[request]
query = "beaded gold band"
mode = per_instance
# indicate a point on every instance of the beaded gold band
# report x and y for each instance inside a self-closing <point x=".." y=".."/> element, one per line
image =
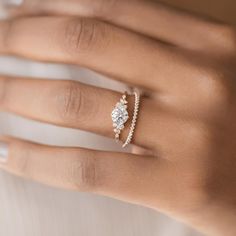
<point x="120" y="116"/>
<point x="134" y="119"/>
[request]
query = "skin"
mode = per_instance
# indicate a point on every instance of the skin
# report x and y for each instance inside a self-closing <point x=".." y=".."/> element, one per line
<point x="186" y="66"/>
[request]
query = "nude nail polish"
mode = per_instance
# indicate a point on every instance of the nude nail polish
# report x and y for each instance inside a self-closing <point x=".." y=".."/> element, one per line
<point x="3" y="152"/>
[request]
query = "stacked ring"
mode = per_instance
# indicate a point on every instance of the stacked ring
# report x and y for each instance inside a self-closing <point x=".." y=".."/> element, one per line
<point x="120" y="116"/>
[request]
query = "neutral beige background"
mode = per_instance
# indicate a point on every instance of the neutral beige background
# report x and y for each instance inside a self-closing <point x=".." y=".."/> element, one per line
<point x="30" y="209"/>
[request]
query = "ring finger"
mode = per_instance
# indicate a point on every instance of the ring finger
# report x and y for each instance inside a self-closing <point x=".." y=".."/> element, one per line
<point x="72" y="104"/>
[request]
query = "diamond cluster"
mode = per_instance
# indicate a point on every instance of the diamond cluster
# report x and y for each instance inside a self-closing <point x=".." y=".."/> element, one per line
<point x="120" y="116"/>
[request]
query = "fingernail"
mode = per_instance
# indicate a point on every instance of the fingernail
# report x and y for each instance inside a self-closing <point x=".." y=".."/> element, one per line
<point x="12" y="3"/>
<point x="3" y="152"/>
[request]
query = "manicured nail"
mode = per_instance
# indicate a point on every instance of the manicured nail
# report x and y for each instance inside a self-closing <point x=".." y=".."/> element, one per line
<point x="12" y="3"/>
<point x="3" y="152"/>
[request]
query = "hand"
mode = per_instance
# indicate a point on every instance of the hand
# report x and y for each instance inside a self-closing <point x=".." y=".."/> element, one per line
<point x="185" y="65"/>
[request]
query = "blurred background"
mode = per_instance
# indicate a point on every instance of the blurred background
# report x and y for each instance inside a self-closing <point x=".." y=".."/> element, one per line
<point x="30" y="209"/>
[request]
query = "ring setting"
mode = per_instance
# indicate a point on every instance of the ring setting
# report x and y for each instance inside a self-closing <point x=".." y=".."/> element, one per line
<point x="120" y="116"/>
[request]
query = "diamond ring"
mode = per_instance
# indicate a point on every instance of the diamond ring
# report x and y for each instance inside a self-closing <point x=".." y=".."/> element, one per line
<point x="120" y="116"/>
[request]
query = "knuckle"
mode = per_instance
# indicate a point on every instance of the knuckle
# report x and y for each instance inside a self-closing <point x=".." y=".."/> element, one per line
<point x="202" y="187"/>
<point x="194" y="190"/>
<point x="88" y="173"/>
<point x="8" y="27"/>
<point x="85" y="173"/>
<point x="198" y="176"/>
<point x="9" y="33"/>
<point x="196" y="132"/>
<point x="197" y="195"/>
<point x="226" y="36"/>
<point x="84" y="36"/>
<point x="215" y="88"/>
<point x="70" y="101"/>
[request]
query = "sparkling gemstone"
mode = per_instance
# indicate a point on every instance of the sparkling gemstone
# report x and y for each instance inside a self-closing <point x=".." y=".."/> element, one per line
<point x="119" y="116"/>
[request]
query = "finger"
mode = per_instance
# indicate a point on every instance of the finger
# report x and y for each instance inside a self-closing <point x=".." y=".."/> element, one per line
<point x="124" y="176"/>
<point x="72" y="104"/>
<point x="148" y="17"/>
<point x="100" y="47"/>
<point x="141" y="151"/>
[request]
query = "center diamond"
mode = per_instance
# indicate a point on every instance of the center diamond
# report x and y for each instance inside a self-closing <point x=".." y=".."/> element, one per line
<point x="119" y="116"/>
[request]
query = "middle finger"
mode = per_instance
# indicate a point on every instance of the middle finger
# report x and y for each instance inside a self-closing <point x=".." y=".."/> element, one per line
<point x="99" y="46"/>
